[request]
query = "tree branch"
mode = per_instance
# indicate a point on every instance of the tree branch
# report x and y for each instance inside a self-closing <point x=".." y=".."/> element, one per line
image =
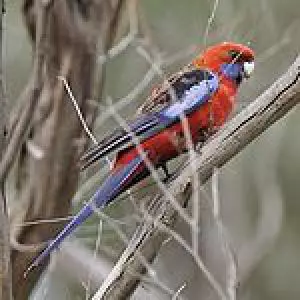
<point x="5" y="266"/>
<point x="22" y="126"/>
<point x="269" y="107"/>
<point x="66" y="37"/>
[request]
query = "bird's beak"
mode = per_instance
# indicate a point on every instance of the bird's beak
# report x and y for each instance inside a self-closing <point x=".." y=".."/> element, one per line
<point x="248" y="68"/>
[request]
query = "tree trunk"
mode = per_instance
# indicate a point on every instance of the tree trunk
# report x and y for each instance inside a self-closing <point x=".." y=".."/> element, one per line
<point x="5" y="268"/>
<point x="46" y="174"/>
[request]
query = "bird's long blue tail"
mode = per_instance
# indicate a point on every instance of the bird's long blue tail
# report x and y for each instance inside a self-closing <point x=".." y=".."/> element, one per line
<point x="111" y="188"/>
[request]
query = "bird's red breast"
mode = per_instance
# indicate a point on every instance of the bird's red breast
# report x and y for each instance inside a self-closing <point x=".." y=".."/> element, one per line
<point x="171" y="142"/>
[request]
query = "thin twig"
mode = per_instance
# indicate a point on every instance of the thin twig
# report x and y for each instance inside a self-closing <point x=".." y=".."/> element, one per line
<point x="198" y="260"/>
<point x="78" y="111"/>
<point x="178" y="292"/>
<point x="96" y="250"/>
<point x="116" y="269"/>
<point x="226" y="245"/>
<point x="36" y="85"/>
<point x="209" y="22"/>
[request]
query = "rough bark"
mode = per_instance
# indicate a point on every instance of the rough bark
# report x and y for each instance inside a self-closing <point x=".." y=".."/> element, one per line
<point x="67" y="37"/>
<point x="273" y="104"/>
<point x="5" y="267"/>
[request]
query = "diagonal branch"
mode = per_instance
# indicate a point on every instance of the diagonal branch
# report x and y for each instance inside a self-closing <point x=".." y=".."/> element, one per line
<point x="269" y="107"/>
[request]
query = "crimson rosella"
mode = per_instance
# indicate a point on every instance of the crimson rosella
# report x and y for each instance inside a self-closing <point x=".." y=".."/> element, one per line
<point x="204" y="92"/>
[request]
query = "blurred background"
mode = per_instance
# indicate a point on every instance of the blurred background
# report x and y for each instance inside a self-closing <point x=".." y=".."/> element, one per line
<point x="259" y="188"/>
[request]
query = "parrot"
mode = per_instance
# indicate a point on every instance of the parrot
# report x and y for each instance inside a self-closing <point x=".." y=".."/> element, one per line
<point x="204" y="92"/>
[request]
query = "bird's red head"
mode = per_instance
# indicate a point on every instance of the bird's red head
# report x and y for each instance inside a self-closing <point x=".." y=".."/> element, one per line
<point x="226" y="53"/>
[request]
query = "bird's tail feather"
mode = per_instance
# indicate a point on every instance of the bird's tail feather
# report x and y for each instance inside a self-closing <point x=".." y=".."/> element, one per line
<point x="115" y="184"/>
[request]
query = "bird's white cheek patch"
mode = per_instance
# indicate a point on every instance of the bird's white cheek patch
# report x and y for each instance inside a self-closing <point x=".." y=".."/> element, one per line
<point x="248" y="68"/>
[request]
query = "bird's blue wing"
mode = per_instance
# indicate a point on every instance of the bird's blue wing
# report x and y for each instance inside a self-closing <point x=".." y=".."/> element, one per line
<point x="192" y="98"/>
<point x="189" y="95"/>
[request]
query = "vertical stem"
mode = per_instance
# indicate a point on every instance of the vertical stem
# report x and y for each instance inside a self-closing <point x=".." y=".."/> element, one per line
<point x="5" y="273"/>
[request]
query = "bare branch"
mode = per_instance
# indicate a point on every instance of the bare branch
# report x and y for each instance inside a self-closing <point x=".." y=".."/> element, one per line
<point x="77" y="108"/>
<point x="274" y="103"/>
<point x="5" y="262"/>
<point x="67" y="36"/>
<point x="15" y="143"/>
<point x="226" y="245"/>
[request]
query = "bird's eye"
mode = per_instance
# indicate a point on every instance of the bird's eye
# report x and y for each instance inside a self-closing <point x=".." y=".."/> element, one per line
<point x="234" y="54"/>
